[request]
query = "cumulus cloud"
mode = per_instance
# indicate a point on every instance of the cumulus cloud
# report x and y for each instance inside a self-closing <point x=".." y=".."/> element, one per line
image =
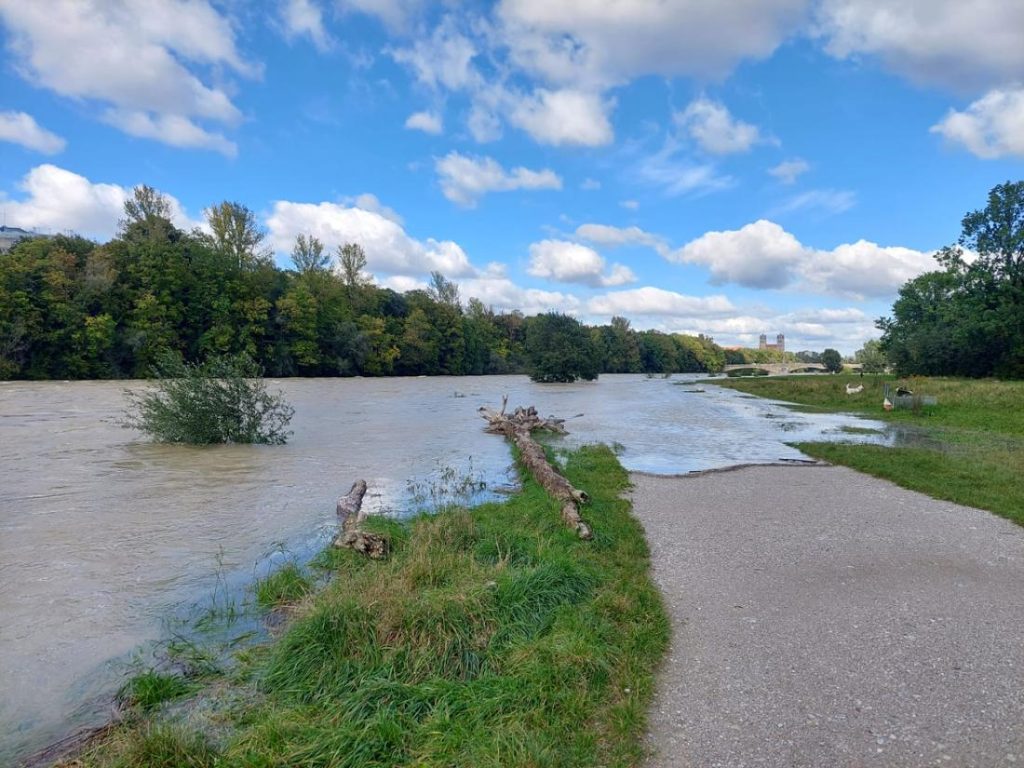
<point x="759" y="255"/>
<point x="714" y="129"/>
<point x="940" y="42"/>
<point x="564" y="117"/>
<point x="21" y="128"/>
<point x="991" y="127"/>
<point x="442" y="60"/>
<point x="602" y="43"/>
<point x="136" y="57"/>
<point x="175" y="130"/>
<point x="497" y="291"/>
<point x="57" y="200"/>
<point x="304" y="18"/>
<point x="764" y="255"/>
<point x="657" y="301"/>
<point x="428" y="122"/>
<point x="389" y="249"/>
<point x="788" y="171"/>
<point x="569" y="262"/>
<point x="613" y="237"/>
<point x="464" y="180"/>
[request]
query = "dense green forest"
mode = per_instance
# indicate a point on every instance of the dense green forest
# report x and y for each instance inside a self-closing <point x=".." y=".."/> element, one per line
<point x="74" y="309"/>
<point x="968" y="318"/>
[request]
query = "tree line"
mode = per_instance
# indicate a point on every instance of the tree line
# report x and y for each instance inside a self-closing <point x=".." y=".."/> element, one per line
<point x="73" y="308"/>
<point x="967" y="319"/>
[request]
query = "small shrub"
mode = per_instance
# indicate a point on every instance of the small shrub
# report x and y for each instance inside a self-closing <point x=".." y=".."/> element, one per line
<point x="223" y="400"/>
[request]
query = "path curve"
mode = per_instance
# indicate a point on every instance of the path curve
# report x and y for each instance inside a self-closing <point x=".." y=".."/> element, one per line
<point x="826" y="618"/>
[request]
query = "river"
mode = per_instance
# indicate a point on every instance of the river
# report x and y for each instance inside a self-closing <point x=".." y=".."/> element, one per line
<point x="103" y="534"/>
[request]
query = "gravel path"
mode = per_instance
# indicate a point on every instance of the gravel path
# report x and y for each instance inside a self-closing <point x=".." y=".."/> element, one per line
<point x="825" y="618"/>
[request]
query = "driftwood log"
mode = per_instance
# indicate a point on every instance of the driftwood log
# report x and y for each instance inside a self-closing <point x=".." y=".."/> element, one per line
<point x="517" y="427"/>
<point x="351" y="517"/>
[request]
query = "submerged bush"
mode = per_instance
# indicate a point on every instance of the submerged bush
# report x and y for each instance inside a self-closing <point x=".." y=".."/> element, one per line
<point x="223" y="400"/>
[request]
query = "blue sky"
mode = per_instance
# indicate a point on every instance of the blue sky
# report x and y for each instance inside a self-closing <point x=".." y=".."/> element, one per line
<point x="729" y="168"/>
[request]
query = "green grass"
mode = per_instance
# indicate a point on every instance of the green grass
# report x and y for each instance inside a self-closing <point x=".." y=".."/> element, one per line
<point x="490" y="637"/>
<point x="285" y="586"/>
<point x="969" y="448"/>
<point x="150" y="689"/>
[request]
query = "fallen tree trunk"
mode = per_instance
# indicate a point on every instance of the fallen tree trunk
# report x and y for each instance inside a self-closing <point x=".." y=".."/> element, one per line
<point x="518" y="427"/>
<point x="351" y="516"/>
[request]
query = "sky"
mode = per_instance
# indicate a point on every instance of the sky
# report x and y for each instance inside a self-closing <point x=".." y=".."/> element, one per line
<point x="726" y="167"/>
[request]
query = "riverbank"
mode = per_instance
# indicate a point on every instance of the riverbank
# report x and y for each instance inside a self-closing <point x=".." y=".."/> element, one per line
<point x="492" y="636"/>
<point x="968" y="448"/>
<point x="822" y="617"/>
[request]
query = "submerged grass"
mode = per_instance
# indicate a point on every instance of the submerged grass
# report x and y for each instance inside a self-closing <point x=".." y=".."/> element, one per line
<point x="969" y="448"/>
<point x="491" y="637"/>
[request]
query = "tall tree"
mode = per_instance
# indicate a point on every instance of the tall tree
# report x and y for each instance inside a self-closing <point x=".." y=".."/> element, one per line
<point x="352" y="260"/>
<point x="559" y="349"/>
<point x="308" y="255"/>
<point x="237" y="234"/>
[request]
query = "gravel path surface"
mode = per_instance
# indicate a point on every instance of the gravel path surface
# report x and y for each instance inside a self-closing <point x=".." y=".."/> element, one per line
<point x="825" y="618"/>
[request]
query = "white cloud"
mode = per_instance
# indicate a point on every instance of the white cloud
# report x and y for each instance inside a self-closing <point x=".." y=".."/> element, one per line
<point x="991" y="127"/>
<point x="370" y="202"/>
<point x="389" y="249"/>
<point x="603" y="43"/>
<point x="564" y="117"/>
<point x="864" y="269"/>
<point x="569" y="262"/>
<point x="714" y="129"/>
<point x="657" y="301"/>
<point x="829" y="201"/>
<point x="428" y="122"/>
<point x="760" y="255"/>
<point x="590" y="185"/>
<point x="942" y="42"/>
<point x="175" y="130"/>
<point x="788" y="171"/>
<point x="304" y="17"/>
<point x="630" y="205"/>
<point x="133" y="56"/>
<point x="396" y="14"/>
<point x="21" y="128"/>
<point x="443" y="60"/>
<point x="57" y="200"/>
<point x="464" y="180"/>
<point x="764" y="255"/>
<point x="613" y="237"/>
<point x="678" y="176"/>
<point x="497" y="291"/>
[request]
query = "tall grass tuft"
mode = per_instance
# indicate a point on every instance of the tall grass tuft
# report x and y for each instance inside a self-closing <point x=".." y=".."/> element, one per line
<point x="223" y="400"/>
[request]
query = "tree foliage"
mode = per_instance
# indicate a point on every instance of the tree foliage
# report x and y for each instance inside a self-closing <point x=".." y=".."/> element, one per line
<point x="832" y="360"/>
<point x="559" y="349"/>
<point x="72" y="308"/>
<point x="223" y="400"/>
<point x="968" y="318"/>
<point x="871" y="357"/>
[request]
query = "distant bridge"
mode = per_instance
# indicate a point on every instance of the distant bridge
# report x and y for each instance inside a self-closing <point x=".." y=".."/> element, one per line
<point x="776" y="369"/>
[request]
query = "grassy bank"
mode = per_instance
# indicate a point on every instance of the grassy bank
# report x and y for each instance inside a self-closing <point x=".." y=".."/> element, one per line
<point x="969" y="448"/>
<point x="490" y="637"/>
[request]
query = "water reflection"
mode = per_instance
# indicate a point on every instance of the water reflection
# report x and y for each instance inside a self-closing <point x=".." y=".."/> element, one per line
<point x="102" y="534"/>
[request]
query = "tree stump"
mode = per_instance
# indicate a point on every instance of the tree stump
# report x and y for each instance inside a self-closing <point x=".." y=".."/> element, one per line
<point x="518" y="427"/>
<point x="351" y="516"/>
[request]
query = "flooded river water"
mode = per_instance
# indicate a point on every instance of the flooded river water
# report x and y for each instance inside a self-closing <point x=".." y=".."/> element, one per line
<point x="103" y="535"/>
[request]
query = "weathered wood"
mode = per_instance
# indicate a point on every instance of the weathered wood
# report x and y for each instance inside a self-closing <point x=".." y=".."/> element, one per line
<point x="518" y="427"/>
<point x="351" y="517"/>
<point x="350" y="506"/>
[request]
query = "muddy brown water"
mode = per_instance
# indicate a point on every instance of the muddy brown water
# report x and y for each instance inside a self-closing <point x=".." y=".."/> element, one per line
<point x="103" y="534"/>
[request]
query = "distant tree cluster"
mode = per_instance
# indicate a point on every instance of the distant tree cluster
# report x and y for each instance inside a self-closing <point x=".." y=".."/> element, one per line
<point x="71" y="308"/>
<point x="968" y="318"/>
